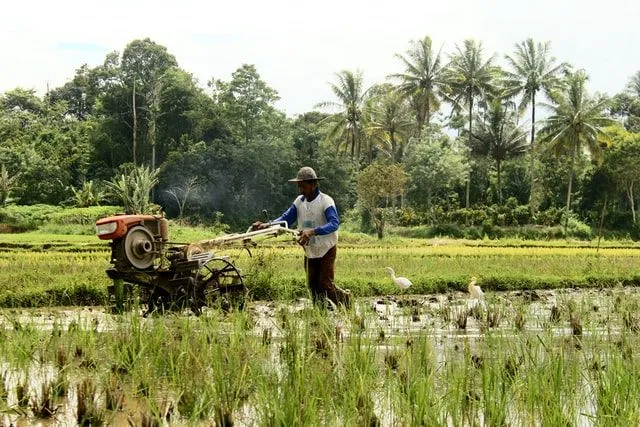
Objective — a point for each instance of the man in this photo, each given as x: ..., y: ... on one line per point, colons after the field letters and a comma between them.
x: 318, y: 222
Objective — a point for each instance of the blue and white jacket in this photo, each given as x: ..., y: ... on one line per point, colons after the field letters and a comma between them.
x: 319, y: 213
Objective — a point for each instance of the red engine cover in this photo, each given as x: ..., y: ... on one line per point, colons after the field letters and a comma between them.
x: 123, y: 223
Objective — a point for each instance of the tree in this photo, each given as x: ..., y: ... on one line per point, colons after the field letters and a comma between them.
x: 497, y: 136
x: 143, y: 64
x: 575, y: 123
x: 633, y: 87
x: 434, y: 169
x: 469, y: 77
x: 347, y: 122
x: 24, y: 100
x: 377, y: 184
x: 7, y: 184
x: 533, y: 70
x: 421, y: 80
x: 133, y: 188
x: 247, y: 105
x: 626, y: 105
x: 181, y: 193
x: 79, y: 94
x: 621, y: 159
x: 306, y: 136
x: 387, y: 122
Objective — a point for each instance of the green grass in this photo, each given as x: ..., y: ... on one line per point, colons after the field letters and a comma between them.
x: 46, y: 269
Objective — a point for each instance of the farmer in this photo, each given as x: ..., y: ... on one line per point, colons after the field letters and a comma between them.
x: 317, y: 218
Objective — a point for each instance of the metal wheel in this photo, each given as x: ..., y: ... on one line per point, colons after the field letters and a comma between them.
x: 220, y: 284
x: 138, y: 247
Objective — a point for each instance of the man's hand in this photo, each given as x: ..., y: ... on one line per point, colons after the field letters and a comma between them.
x: 305, y: 236
x: 258, y: 225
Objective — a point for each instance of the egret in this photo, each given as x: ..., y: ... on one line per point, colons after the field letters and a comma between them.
x: 401, y: 282
x: 474, y: 290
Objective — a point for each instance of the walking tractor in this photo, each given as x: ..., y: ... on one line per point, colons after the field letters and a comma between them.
x: 173, y: 276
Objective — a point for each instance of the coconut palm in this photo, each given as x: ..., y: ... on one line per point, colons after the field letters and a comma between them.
x: 468, y: 78
x: 633, y: 87
x: 497, y: 136
x: 421, y: 79
x: 575, y: 123
x: 347, y: 122
x: 532, y: 70
x: 388, y: 121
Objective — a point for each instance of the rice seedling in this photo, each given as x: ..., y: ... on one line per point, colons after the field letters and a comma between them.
x: 494, y: 316
x: 519, y: 320
x: 88, y: 410
x: 114, y: 394
x: 3, y: 389
x: 42, y: 404
x: 461, y: 316
x: 22, y: 392
x: 631, y: 321
x: 576, y: 324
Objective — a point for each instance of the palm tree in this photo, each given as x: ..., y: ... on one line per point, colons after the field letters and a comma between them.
x: 633, y: 87
x: 533, y: 70
x: 575, y: 123
x: 348, y: 120
x: 469, y: 77
x: 497, y: 136
x: 421, y: 79
x: 388, y: 121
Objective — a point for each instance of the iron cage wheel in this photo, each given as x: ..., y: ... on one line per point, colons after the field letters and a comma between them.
x: 220, y: 283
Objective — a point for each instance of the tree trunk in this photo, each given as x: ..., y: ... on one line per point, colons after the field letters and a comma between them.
x: 498, y: 169
x: 427, y: 114
x: 573, y: 155
x: 631, y: 201
x: 604, y: 207
x: 468, y: 190
x: 135, y: 122
x: 353, y: 142
x: 532, y: 186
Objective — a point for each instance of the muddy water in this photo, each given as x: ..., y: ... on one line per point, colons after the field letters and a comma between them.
x: 389, y: 320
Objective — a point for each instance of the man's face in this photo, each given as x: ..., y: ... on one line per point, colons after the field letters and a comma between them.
x: 307, y: 188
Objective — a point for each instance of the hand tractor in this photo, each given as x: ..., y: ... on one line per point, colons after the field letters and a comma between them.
x: 174, y: 276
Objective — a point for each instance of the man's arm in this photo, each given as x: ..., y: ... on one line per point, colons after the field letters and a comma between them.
x: 333, y: 222
x: 290, y: 215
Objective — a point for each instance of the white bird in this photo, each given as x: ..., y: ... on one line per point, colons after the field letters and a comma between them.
x: 401, y: 282
x: 474, y: 290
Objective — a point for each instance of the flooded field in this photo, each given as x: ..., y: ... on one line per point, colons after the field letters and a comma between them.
x: 525, y: 357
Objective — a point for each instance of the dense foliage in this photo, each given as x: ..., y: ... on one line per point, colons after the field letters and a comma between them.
x: 460, y: 127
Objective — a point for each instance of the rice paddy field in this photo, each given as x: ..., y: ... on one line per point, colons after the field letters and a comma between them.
x: 554, y: 342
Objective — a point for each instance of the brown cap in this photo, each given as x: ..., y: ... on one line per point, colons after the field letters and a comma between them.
x: 306, y: 174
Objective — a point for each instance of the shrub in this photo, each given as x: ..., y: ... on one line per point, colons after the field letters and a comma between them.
x: 27, y: 217
x: 83, y: 216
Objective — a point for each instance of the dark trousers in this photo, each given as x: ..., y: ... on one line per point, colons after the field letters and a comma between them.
x: 320, y: 273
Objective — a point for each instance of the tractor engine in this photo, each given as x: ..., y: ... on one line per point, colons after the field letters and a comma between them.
x: 137, y: 241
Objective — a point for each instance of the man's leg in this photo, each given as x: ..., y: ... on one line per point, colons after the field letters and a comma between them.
x: 327, y: 287
x: 311, y: 268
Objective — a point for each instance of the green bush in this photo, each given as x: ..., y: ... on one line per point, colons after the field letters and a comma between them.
x: 52, y: 218
x: 28, y: 217
x: 83, y: 216
x: 576, y: 228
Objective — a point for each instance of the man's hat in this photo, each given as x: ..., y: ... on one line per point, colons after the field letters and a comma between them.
x: 306, y: 174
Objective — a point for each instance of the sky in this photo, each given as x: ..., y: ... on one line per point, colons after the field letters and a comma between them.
x: 298, y: 46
